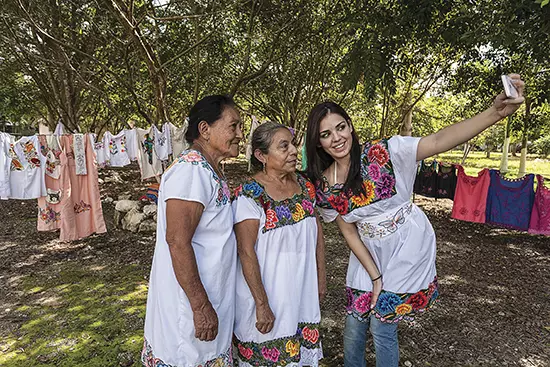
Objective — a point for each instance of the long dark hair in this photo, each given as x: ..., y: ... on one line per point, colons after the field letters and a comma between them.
x: 209, y: 109
x: 318, y: 160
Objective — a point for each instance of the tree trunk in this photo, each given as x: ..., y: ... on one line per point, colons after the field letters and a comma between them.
x: 524, y: 140
x: 406, y: 126
x: 197, y: 62
x: 505, y: 147
x: 467, y: 148
x: 157, y: 74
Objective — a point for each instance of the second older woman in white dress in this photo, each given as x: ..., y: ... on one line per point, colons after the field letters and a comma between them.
x: 281, y: 273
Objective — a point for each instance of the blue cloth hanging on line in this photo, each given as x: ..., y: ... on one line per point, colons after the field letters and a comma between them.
x: 509, y: 202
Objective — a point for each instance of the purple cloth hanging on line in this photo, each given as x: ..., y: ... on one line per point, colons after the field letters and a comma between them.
x: 510, y: 202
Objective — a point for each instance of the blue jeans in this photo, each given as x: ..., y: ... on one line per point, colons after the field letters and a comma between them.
x: 385, y: 342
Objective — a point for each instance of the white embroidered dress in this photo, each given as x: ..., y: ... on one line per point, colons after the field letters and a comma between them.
x: 132, y: 147
x: 286, y: 251
x: 28, y: 169
x: 177, y: 135
x: 5, y: 163
x: 169, y: 328
x: 118, y: 156
x: 101, y: 150
x: 163, y: 145
x: 399, y: 237
x: 149, y: 164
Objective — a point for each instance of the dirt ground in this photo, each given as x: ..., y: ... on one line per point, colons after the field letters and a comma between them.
x: 494, y: 308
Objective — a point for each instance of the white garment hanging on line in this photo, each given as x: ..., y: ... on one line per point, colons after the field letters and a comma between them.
x: 132, y: 147
x: 59, y: 129
x: 28, y: 169
x: 177, y: 134
x: 163, y: 146
x: 5, y: 162
x: 118, y: 155
x: 101, y: 151
x: 149, y: 164
x: 79, y: 155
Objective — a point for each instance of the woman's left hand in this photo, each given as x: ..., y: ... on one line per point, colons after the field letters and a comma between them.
x: 376, y: 289
x: 506, y: 106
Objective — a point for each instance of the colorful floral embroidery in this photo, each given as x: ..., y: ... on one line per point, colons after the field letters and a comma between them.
x: 147, y: 146
x: 30, y: 154
x: 48, y: 215
x: 81, y: 207
x: 148, y: 359
x: 292, y: 348
x: 123, y: 144
x: 52, y: 161
x: 113, y: 149
x: 391, y: 307
x: 196, y: 158
x: 282, y: 351
x: 15, y: 163
x: 378, y: 182
x: 283, y: 212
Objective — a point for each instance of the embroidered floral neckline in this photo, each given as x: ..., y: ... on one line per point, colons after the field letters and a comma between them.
x: 284, y: 212
x: 195, y: 157
x: 378, y: 181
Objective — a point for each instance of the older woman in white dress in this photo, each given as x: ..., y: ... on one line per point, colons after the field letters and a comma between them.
x: 281, y: 273
x: 191, y: 300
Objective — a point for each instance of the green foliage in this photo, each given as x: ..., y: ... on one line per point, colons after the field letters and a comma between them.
x: 541, y: 146
x: 97, y: 65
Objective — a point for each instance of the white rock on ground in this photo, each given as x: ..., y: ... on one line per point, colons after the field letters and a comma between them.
x: 126, y: 205
x: 132, y: 220
x: 148, y: 225
x: 150, y: 210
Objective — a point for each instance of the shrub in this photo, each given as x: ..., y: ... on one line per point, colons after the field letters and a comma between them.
x: 541, y: 146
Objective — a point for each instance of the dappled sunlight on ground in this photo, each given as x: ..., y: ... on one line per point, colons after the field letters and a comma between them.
x: 67, y: 314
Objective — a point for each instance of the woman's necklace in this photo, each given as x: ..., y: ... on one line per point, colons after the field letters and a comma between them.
x: 336, y: 172
x: 208, y: 157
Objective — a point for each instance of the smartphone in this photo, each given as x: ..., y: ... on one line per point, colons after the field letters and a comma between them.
x: 509, y: 87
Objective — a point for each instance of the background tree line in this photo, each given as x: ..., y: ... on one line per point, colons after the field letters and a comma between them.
x: 398, y: 66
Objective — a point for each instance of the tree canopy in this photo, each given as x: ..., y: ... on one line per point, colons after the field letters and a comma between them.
x: 397, y: 66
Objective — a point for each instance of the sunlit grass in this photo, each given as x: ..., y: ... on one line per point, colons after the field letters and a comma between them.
x: 476, y: 161
x: 97, y: 320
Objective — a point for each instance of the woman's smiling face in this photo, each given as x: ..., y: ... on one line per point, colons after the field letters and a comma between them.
x: 335, y: 135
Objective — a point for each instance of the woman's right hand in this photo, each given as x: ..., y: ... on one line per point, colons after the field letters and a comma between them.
x: 376, y: 289
x: 206, y: 322
x: 264, y: 318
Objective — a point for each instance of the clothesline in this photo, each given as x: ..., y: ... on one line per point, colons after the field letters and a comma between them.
x: 488, y: 197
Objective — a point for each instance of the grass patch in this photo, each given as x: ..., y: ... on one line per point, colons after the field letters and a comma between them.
x: 476, y: 161
x: 79, y: 317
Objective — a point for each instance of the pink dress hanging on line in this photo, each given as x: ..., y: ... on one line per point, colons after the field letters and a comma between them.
x: 470, y: 199
x: 49, y: 206
x: 80, y: 208
x: 540, y: 215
